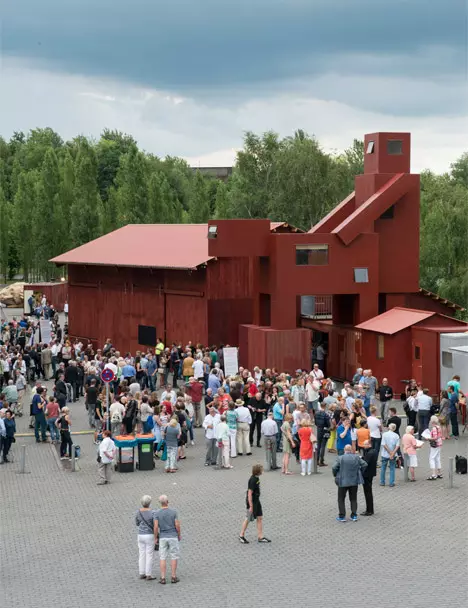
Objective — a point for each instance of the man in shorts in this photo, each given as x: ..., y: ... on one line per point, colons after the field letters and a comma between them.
x: 167, y: 532
x: 254, y: 507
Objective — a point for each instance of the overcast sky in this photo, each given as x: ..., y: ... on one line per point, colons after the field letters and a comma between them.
x: 188, y: 77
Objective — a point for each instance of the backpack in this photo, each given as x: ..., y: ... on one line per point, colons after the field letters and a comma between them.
x: 460, y: 465
x: 116, y: 417
x: 150, y: 422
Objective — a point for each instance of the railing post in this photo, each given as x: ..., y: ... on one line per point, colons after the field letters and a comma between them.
x: 315, y: 463
x: 405, y: 467
x: 450, y: 473
x: 23, y: 459
x: 73, y: 459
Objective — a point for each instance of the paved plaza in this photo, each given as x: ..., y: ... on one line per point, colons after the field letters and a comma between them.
x: 67, y: 542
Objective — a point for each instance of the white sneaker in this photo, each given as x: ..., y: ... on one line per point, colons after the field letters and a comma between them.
x: 309, y: 473
x: 192, y: 442
x: 303, y: 474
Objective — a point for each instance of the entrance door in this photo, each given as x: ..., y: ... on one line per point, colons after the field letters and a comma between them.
x: 417, y: 361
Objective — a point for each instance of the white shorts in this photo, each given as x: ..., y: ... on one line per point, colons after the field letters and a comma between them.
x: 168, y: 548
x: 412, y: 460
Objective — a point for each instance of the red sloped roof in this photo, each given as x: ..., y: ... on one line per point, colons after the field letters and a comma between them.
x: 394, y: 320
x: 179, y: 246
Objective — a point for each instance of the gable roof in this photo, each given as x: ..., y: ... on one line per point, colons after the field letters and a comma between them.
x: 177, y: 246
x: 394, y: 320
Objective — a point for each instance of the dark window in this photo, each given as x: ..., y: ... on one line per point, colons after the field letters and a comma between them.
x: 447, y: 359
x: 389, y: 214
x: 370, y: 147
x: 417, y: 353
x: 394, y: 146
x: 311, y: 255
x: 361, y: 275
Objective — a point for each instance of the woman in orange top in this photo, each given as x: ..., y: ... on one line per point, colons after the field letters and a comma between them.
x: 306, y: 449
x: 363, y: 434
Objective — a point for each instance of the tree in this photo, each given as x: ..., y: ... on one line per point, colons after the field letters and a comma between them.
x: 86, y: 212
x: 199, y: 208
x: 5, y: 223
x: 222, y: 208
x: 460, y: 170
x: 25, y: 199
x: 132, y: 189
x: 160, y: 199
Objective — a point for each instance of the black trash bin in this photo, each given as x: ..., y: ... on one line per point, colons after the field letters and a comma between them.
x: 145, y: 455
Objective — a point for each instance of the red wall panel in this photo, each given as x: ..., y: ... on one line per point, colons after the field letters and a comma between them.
x: 429, y: 363
x: 186, y: 319
x: 229, y: 278
x: 56, y: 293
x: 224, y: 318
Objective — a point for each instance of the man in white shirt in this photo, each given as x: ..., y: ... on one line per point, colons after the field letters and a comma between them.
x: 222, y: 439
x: 317, y: 373
x: 111, y: 364
x: 105, y: 458
x: 312, y: 393
x: 269, y: 429
x: 375, y: 427
x: 209, y: 424
x: 244, y: 420
x: 169, y: 395
x: 197, y: 366
x: 424, y: 410
x: 117, y: 412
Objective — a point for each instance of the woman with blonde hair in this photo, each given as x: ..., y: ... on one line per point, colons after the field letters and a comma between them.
x: 435, y: 443
x: 288, y: 443
x: 444, y: 414
x: 409, y: 446
x: 332, y: 440
x: 171, y: 435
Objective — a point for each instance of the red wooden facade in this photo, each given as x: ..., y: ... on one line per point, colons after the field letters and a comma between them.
x: 56, y: 293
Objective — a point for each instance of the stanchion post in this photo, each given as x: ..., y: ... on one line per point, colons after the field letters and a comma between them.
x: 23, y: 459
x: 73, y: 459
x: 315, y: 461
x: 405, y: 467
x: 450, y: 472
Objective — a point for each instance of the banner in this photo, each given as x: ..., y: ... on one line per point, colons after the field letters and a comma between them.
x: 231, y: 363
x: 46, y: 334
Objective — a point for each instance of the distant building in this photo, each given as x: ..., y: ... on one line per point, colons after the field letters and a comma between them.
x: 221, y: 173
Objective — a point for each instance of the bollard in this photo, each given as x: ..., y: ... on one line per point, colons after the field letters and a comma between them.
x: 23, y: 459
x: 315, y: 462
x: 405, y: 467
x: 73, y: 459
x: 450, y: 473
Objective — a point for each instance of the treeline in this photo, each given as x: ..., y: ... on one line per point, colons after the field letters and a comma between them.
x: 56, y: 195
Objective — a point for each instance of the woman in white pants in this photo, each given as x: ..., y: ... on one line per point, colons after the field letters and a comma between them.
x: 144, y: 519
x: 231, y: 419
x: 435, y: 447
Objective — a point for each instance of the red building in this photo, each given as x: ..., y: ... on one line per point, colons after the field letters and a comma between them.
x: 264, y: 286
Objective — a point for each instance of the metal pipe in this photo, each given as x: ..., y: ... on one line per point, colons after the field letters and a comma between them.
x: 405, y: 467
x: 73, y: 459
x: 315, y: 461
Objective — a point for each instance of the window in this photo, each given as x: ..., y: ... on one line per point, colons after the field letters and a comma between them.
x: 447, y: 359
x: 380, y: 347
x: 394, y: 147
x: 311, y: 255
x: 370, y: 147
x: 389, y: 214
x: 417, y: 353
x: 361, y: 275
x: 212, y: 231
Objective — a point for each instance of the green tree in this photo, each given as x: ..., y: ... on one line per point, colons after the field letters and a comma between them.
x: 160, y: 199
x: 5, y: 223
x: 131, y: 181
x: 460, y: 170
x: 25, y: 200
x: 199, y: 209
x: 86, y: 212
x: 222, y: 207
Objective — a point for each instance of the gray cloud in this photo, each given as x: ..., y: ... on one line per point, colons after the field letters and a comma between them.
x: 192, y: 46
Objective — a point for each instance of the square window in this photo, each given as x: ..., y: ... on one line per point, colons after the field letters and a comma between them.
x: 361, y: 275
x: 394, y: 147
x: 311, y: 255
x: 389, y: 214
x: 380, y: 347
x: 417, y: 353
x: 447, y: 359
x: 370, y: 147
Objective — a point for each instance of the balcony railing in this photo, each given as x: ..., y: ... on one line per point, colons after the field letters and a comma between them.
x: 316, y: 307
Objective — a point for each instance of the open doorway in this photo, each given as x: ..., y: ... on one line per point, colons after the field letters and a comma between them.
x: 320, y: 351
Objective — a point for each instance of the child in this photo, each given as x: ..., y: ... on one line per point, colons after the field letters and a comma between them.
x: 306, y: 449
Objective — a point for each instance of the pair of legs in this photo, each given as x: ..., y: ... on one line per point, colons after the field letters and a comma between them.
x: 168, y: 549
x: 105, y: 471
x: 434, y: 462
x: 352, y: 490
x: 306, y: 466
x: 242, y: 439
x: 391, y: 462
x: 285, y: 467
x: 250, y: 517
x: 270, y: 453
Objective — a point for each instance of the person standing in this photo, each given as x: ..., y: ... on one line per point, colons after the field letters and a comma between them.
x: 424, y: 410
x: 370, y: 457
x: 10, y: 430
x: 258, y: 408
x: 46, y: 361
x: 453, y: 410
x: 38, y: 411
x: 389, y: 448
x: 288, y: 443
x: 375, y: 427
x: 92, y: 393
x: 244, y: 420
x: 172, y: 434
x: 209, y: 424
x: 435, y: 448
x: 322, y: 422
x: 269, y: 430
x: 64, y: 422
x: 52, y: 413
x: 231, y: 419
x: 254, y: 507
x: 145, y: 520
x: 409, y: 446
x: 343, y: 434
x: 306, y: 450
x: 385, y: 395
x: 222, y: 439
x: 105, y: 458
x: 168, y: 532
x: 348, y: 472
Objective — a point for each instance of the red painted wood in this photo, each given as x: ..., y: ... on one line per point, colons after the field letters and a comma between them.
x: 56, y: 293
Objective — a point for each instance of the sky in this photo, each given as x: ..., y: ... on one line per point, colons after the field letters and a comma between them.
x: 189, y: 77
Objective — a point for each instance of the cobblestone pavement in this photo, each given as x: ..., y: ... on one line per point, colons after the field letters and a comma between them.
x: 68, y: 542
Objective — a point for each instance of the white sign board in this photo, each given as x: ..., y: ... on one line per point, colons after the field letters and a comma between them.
x: 46, y: 334
x: 231, y: 362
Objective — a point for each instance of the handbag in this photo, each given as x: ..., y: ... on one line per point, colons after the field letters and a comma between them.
x: 433, y: 443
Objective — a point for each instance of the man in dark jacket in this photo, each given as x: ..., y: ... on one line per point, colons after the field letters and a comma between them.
x: 348, y: 471
x: 71, y: 376
x: 322, y: 422
x: 370, y: 456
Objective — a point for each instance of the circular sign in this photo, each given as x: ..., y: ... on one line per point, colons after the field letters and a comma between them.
x: 107, y: 375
